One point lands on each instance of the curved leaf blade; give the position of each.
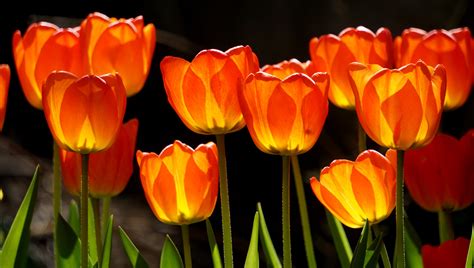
(133, 253)
(170, 255)
(272, 257)
(216, 256)
(107, 248)
(252, 259)
(69, 246)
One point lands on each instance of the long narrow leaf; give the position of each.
(341, 243)
(361, 248)
(252, 259)
(133, 254)
(73, 217)
(266, 241)
(15, 248)
(107, 249)
(412, 246)
(170, 255)
(470, 253)
(216, 256)
(373, 252)
(69, 247)
(93, 250)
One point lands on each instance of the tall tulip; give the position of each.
(358, 191)
(452, 253)
(450, 48)
(118, 45)
(4, 84)
(109, 170)
(332, 54)
(44, 48)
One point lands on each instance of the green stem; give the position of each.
(105, 213)
(225, 207)
(383, 252)
(399, 258)
(285, 202)
(445, 226)
(362, 138)
(308, 240)
(343, 248)
(98, 237)
(84, 214)
(186, 246)
(56, 197)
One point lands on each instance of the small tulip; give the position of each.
(112, 45)
(452, 253)
(84, 114)
(287, 68)
(109, 170)
(358, 191)
(332, 54)
(44, 48)
(204, 92)
(285, 117)
(180, 183)
(449, 48)
(399, 108)
(4, 84)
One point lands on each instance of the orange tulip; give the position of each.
(399, 108)
(204, 92)
(450, 48)
(44, 48)
(285, 116)
(357, 191)
(287, 68)
(452, 253)
(125, 46)
(180, 183)
(332, 54)
(84, 114)
(4, 84)
(440, 176)
(109, 170)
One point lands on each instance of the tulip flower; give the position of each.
(44, 48)
(180, 183)
(285, 117)
(112, 45)
(357, 191)
(204, 92)
(287, 68)
(450, 48)
(399, 108)
(84, 114)
(452, 253)
(4, 84)
(109, 170)
(332, 54)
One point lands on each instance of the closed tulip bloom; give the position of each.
(440, 176)
(109, 170)
(285, 117)
(180, 183)
(4, 84)
(44, 48)
(112, 45)
(287, 68)
(358, 191)
(449, 48)
(452, 253)
(332, 54)
(204, 92)
(399, 108)
(84, 114)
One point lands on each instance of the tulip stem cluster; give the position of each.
(400, 221)
(225, 207)
(445, 226)
(84, 214)
(285, 202)
(56, 195)
(186, 246)
(307, 237)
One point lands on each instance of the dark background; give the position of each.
(276, 30)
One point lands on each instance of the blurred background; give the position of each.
(276, 30)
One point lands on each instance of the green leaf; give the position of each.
(133, 254)
(69, 246)
(216, 256)
(373, 252)
(107, 243)
(15, 248)
(252, 254)
(412, 246)
(339, 237)
(93, 250)
(359, 254)
(266, 241)
(470, 253)
(73, 217)
(170, 255)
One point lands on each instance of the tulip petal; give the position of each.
(4, 84)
